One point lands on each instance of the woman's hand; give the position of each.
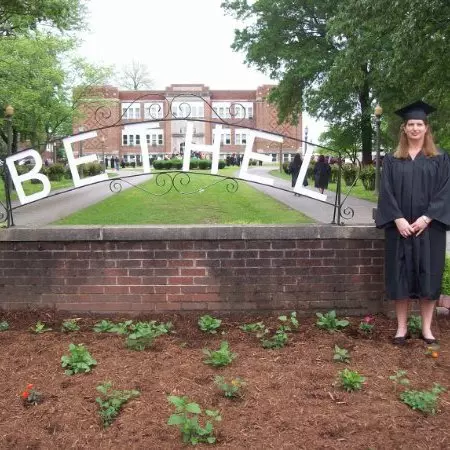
(404, 228)
(419, 225)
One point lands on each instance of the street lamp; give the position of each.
(378, 113)
(9, 112)
(102, 140)
(305, 141)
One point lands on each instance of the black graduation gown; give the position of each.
(409, 189)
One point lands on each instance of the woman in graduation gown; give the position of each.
(414, 210)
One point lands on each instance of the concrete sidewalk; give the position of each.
(319, 211)
(53, 208)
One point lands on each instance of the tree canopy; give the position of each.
(135, 76)
(337, 58)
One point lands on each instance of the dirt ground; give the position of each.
(291, 399)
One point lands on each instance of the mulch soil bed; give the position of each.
(291, 399)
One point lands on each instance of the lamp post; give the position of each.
(80, 167)
(102, 140)
(378, 112)
(305, 141)
(9, 112)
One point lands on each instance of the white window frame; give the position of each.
(156, 107)
(131, 111)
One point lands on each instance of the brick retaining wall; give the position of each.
(138, 269)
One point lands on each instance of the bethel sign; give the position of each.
(140, 129)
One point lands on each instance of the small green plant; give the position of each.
(231, 388)
(144, 333)
(366, 325)
(351, 380)
(400, 378)
(186, 418)
(341, 355)
(257, 327)
(278, 340)
(70, 326)
(415, 325)
(31, 397)
(221, 357)
(209, 324)
(423, 401)
(329, 321)
(79, 360)
(111, 401)
(121, 327)
(104, 326)
(289, 322)
(4, 325)
(40, 327)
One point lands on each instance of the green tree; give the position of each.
(337, 58)
(21, 16)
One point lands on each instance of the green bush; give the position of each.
(367, 176)
(349, 173)
(286, 168)
(222, 164)
(177, 164)
(334, 173)
(193, 164)
(158, 164)
(204, 164)
(446, 277)
(56, 172)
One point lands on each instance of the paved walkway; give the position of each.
(53, 208)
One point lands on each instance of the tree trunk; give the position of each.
(366, 120)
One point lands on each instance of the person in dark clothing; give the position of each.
(294, 170)
(322, 173)
(414, 211)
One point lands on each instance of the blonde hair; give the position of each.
(429, 147)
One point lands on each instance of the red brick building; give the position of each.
(234, 109)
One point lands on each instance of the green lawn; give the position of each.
(214, 205)
(358, 190)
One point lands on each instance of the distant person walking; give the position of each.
(294, 170)
(322, 174)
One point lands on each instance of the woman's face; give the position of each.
(415, 130)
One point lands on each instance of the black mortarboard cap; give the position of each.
(415, 111)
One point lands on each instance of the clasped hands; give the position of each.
(407, 229)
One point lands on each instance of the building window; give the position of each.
(131, 111)
(124, 139)
(155, 139)
(240, 138)
(138, 139)
(153, 111)
(226, 137)
(249, 112)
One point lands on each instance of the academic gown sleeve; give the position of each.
(439, 207)
(387, 209)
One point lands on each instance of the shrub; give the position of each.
(334, 173)
(158, 164)
(351, 380)
(349, 173)
(193, 164)
(222, 164)
(286, 168)
(367, 176)
(177, 164)
(56, 172)
(204, 164)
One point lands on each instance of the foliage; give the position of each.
(70, 325)
(446, 277)
(111, 401)
(349, 174)
(367, 324)
(186, 418)
(337, 58)
(280, 338)
(4, 325)
(277, 340)
(30, 396)
(328, 321)
(415, 324)
(400, 378)
(231, 388)
(104, 326)
(209, 324)
(21, 16)
(256, 327)
(367, 176)
(40, 327)
(423, 401)
(351, 380)
(289, 321)
(341, 355)
(144, 333)
(221, 357)
(79, 361)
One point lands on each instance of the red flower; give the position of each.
(25, 395)
(30, 386)
(368, 319)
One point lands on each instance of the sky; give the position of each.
(180, 41)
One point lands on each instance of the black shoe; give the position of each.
(429, 341)
(401, 340)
